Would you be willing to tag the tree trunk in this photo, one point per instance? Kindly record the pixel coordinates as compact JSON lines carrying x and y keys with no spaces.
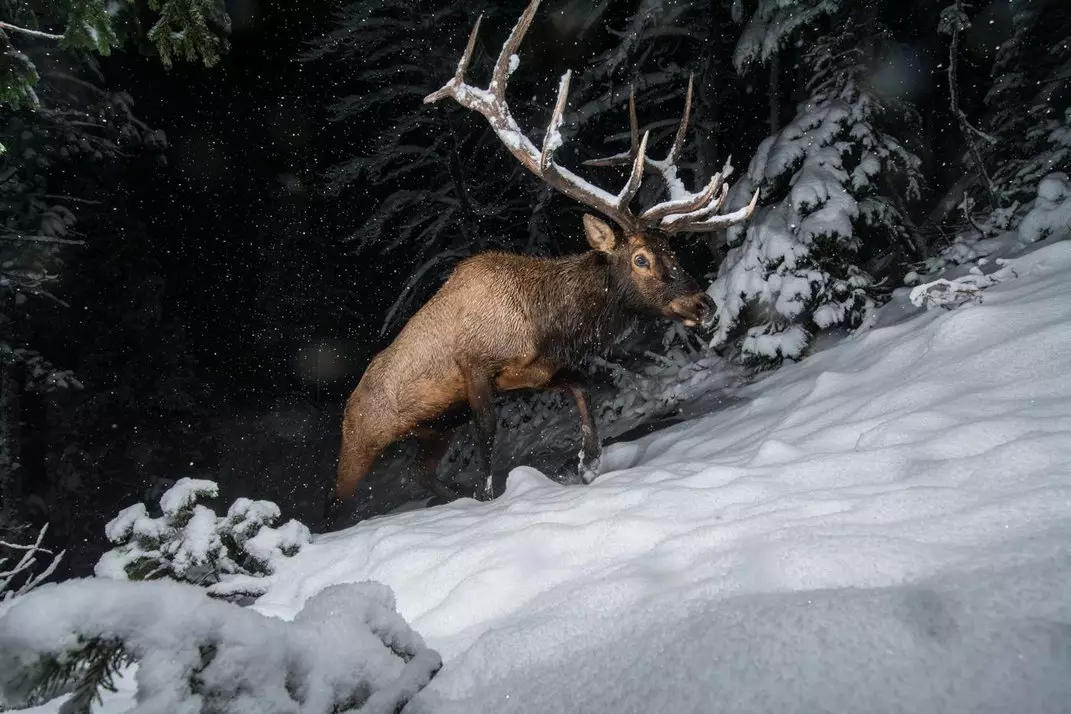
{"x":10,"y":432}
{"x":774,"y":119}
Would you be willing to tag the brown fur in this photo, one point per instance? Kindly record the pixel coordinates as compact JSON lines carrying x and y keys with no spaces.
{"x":503,"y":322}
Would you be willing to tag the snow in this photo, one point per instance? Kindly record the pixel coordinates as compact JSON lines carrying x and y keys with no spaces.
{"x":882,"y":527}
{"x":185,"y":492}
{"x":346,"y":644}
{"x":1051,"y":213}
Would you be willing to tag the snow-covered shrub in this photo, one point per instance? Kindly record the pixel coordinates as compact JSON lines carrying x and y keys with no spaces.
{"x":1051,"y":213}
{"x":948,"y":293}
{"x":347,"y":650}
{"x":189,"y":542}
{"x":834,"y":182}
{"x":23,"y":576}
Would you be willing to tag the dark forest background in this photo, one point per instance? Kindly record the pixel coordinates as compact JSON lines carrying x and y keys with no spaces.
{"x":249,"y":234}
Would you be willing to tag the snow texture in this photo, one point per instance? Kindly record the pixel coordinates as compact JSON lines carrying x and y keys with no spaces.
{"x":347,"y":644}
{"x":883,"y":527}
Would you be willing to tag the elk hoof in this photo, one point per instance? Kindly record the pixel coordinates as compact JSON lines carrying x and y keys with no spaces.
{"x":589,"y":467}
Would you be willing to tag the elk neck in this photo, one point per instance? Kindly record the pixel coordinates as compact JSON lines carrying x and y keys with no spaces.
{"x":584,"y":306}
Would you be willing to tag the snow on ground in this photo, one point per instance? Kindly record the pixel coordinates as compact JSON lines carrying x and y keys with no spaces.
{"x":882,"y":527}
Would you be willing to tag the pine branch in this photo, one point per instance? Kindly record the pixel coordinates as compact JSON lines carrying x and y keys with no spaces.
{"x":84,"y":671}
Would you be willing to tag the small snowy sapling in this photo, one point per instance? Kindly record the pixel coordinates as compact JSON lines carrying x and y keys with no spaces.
{"x":189,"y":542}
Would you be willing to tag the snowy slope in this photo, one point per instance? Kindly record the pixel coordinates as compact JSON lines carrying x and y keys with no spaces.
{"x":883,"y":527}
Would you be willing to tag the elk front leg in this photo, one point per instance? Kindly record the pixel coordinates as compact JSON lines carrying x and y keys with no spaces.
{"x":591,"y":447}
{"x":484,"y":421}
{"x":432,"y":445}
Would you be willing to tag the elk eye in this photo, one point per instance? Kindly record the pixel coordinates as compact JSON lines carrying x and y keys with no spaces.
{"x":640,"y":261}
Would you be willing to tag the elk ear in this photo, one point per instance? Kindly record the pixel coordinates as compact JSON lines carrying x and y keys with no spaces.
{"x":600,"y":236}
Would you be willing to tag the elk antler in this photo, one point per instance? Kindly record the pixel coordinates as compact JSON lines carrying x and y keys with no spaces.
{"x":683,"y":211}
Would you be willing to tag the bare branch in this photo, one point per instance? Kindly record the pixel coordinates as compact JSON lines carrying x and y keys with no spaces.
{"x":40,"y":239}
{"x":27,"y":31}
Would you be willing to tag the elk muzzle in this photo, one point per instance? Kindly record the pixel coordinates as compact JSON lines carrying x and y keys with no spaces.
{"x":691,"y":309}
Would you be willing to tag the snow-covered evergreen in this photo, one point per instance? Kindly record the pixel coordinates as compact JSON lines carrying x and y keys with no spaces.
{"x":347,"y":650}
{"x":190,"y":543}
{"x":1029,"y":107}
{"x":835,"y":182}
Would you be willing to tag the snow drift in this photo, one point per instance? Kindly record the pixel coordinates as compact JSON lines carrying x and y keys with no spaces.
{"x":883,"y":527}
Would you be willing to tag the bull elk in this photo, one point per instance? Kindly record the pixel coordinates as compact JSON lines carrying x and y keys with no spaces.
{"x":503,"y":321}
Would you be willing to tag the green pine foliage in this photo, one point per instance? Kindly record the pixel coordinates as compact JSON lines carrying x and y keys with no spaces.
{"x":190,"y":30}
{"x":85,"y":670}
{"x":91,"y":25}
{"x":18,"y":77}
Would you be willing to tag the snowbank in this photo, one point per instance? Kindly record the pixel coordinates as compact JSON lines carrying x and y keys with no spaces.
{"x":194,"y":654}
{"x":882,"y":527}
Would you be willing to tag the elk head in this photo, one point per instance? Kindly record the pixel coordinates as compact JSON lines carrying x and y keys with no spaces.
{"x":647,"y":275}
{"x":641,"y":249}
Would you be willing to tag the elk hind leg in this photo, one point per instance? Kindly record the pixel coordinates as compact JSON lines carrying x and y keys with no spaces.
{"x":358,"y":453}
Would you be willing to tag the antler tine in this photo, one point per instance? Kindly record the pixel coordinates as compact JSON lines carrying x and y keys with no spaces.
{"x":636,"y":176}
{"x":682,"y":129}
{"x":500,"y":76}
{"x":463,"y":64}
{"x":553,"y":138}
{"x":672,"y":223}
{"x":738,"y":216}
{"x":684,"y":205}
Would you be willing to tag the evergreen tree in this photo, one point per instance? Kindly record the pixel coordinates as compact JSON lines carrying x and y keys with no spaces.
{"x":835,"y":185}
{"x":1029,"y":105}
{"x":61,"y":132}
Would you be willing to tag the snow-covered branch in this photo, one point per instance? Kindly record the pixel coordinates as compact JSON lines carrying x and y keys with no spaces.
{"x":27,"y":31}
{"x":20,"y":578}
